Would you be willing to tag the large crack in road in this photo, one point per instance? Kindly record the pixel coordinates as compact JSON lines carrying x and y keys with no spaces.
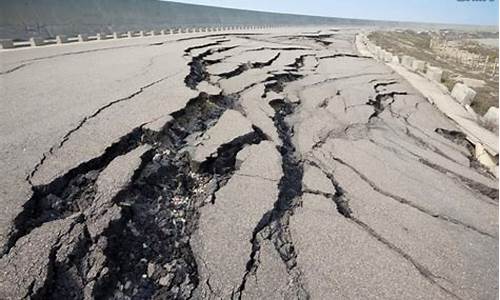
{"x":273,"y":225}
{"x":158,"y":209}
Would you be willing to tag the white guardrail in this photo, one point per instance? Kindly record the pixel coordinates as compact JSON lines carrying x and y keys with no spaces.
{"x":62,"y":39}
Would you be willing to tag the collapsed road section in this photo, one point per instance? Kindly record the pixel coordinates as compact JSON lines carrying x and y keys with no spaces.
{"x":278,"y":165}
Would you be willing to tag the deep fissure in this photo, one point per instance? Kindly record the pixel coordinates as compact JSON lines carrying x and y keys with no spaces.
{"x":166,"y":172}
{"x":381,"y":102}
{"x":273,"y":225}
{"x":343,"y":209}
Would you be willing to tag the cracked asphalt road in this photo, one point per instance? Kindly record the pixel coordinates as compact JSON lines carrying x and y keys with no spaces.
{"x":272,"y":165}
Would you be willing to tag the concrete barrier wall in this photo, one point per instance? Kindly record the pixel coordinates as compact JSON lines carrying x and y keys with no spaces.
{"x":407,"y":61}
{"x":463,"y":94}
{"x":434,"y":73}
{"x":410,"y":63}
{"x":6,"y":44}
{"x":61,"y":39}
{"x":491,"y":116}
{"x":418,"y":65}
{"x":48,"y":18}
{"x":83,"y":37}
{"x":36,"y":41}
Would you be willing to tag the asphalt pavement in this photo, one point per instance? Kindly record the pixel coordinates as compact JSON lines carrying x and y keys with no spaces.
{"x":270,"y":164}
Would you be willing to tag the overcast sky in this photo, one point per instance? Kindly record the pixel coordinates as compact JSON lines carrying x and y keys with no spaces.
{"x":435,"y":11}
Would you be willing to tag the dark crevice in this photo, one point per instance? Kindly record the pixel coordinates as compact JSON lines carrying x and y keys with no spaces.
{"x":225,"y":160}
{"x":198,"y":64}
{"x":55,"y":272}
{"x":69,"y":274}
{"x":68,"y":193}
{"x":159,"y":210}
{"x":258,"y":65}
{"x":26,"y":62}
{"x":247,"y":66}
{"x":162,"y":210}
{"x":274,"y":224}
{"x":82,"y":123}
{"x":487,"y":191}
{"x":277,"y":81}
{"x":426,"y":273}
{"x":14,"y":68}
{"x":323,"y":42}
{"x":425,"y":145}
{"x":299,"y":62}
{"x":308,"y":36}
{"x":411,"y":204}
{"x":324,"y":103}
{"x":460,"y":138}
{"x":318,"y":38}
{"x":342,"y":204}
{"x":240,"y":69}
{"x":483,"y":189}
{"x":339,"y":197}
{"x":277,"y":49}
{"x":197,"y":71}
{"x":217,"y":43}
{"x":383,"y":84}
{"x":455,"y":136}
{"x":343,"y":55}
{"x":325,"y":81}
{"x":330,"y":134}
{"x":381,"y":102}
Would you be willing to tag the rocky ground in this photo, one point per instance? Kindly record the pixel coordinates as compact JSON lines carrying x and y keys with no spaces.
{"x":253,"y":165}
{"x":418,"y":45}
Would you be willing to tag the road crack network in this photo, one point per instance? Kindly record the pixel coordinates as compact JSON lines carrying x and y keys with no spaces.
{"x":274,"y":205}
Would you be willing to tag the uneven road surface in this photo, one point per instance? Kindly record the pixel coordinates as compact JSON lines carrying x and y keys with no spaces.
{"x":255,"y":165}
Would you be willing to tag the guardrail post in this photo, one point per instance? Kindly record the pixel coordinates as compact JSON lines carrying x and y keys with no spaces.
{"x":61,"y":39}
{"x":101,"y":36}
{"x":434,"y":73}
{"x":82,"y":37}
{"x":6,"y":44}
{"x":36,"y":41}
